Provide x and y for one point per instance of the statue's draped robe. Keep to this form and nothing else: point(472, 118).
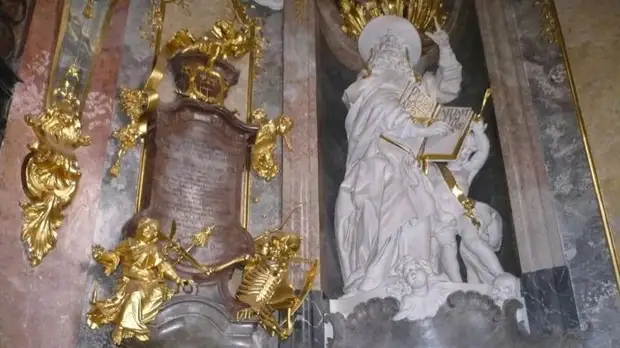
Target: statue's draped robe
point(383, 194)
point(140, 292)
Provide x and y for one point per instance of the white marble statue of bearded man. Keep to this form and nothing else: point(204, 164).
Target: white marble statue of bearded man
point(385, 203)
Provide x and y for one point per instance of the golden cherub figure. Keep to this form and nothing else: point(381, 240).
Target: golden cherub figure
point(141, 288)
point(263, 156)
point(265, 287)
point(133, 103)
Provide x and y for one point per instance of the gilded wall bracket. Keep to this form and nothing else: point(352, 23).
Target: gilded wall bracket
point(50, 172)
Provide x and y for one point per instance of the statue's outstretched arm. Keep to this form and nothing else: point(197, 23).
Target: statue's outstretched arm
point(446, 83)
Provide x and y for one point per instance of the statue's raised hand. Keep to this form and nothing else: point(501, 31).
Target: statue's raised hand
point(440, 37)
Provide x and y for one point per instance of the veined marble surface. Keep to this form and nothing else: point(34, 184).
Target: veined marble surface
point(585, 247)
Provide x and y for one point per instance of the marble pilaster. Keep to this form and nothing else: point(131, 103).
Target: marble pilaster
point(39, 304)
point(300, 169)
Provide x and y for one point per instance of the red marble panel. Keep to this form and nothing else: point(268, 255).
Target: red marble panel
point(41, 307)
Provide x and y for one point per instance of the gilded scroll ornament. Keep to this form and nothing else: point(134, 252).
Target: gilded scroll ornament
point(141, 288)
point(263, 152)
point(356, 14)
point(51, 173)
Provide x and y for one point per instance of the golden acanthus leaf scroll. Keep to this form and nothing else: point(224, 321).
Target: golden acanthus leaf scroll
point(51, 172)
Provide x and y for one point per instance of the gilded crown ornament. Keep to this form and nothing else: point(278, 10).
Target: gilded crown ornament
point(356, 14)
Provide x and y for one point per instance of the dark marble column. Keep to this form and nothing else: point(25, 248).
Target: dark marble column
point(538, 118)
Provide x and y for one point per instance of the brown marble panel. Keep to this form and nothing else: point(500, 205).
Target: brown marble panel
point(40, 306)
point(195, 165)
point(300, 168)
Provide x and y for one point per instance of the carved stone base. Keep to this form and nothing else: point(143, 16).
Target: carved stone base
point(467, 319)
point(196, 321)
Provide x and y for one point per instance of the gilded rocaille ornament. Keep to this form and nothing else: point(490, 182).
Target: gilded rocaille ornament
point(356, 14)
point(50, 173)
point(265, 286)
point(226, 40)
point(141, 287)
point(263, 152)
point(133, 103)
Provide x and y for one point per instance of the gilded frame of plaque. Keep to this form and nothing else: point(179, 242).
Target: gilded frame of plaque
point(220, 128)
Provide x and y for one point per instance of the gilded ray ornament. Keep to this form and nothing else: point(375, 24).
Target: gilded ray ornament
point(421, 13)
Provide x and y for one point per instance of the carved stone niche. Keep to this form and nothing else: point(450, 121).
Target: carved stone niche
point(195, 159)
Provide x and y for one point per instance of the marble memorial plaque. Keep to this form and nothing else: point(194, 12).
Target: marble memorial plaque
point(196, 155)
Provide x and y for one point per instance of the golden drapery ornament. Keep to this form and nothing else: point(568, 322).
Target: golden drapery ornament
point(265, 286)
point(226, 40)
point(141, 287)
point(50, 173)
point(421, 13)
point(263, 152)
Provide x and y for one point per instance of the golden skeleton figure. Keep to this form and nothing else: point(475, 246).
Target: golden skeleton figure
point(263, 157)
point(265, 287)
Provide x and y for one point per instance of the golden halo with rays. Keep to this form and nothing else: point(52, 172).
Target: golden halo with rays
point(356, 14)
